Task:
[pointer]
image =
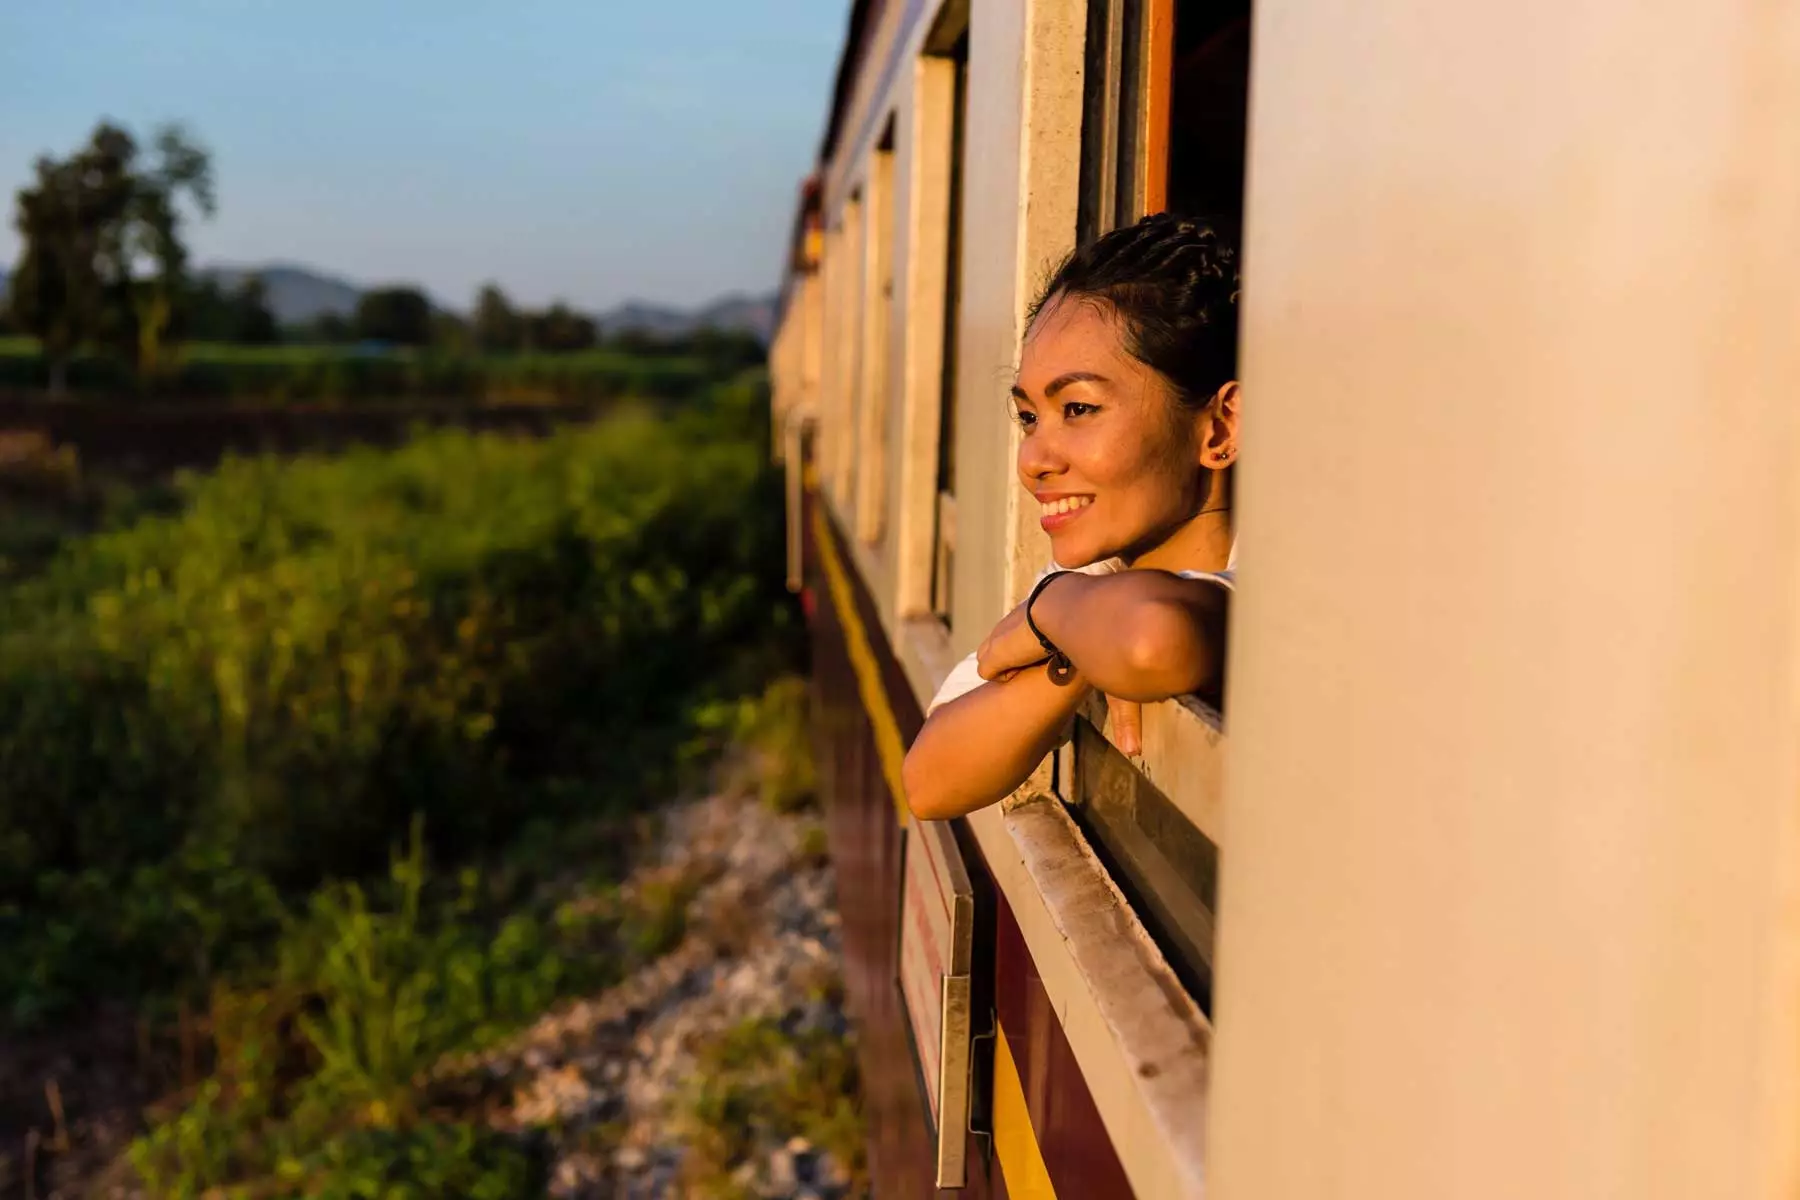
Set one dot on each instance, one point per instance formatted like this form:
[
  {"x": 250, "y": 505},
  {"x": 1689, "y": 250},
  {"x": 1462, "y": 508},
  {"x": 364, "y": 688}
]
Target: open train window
[
  {"x": 1164, "y": 112},
  {"x": 877, "y": 304},
  {"x": 1209, "y": 98},
  {"x": 1164, "y": 117}
]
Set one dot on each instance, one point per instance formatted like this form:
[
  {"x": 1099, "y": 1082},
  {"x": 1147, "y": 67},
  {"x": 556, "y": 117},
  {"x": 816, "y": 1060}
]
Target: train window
[
  {"x": 1163, "y": 111},
  {"x": 1163, "y": 127},
  {"x": 1124, "y": 114},
  {"x": 878, "y": 311},
  {"x": 1209, "y": 111},
  {"x": 945, "y": 69}
]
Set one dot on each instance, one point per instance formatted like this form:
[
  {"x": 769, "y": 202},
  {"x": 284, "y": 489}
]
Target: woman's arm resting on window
[
  {"x": 1138, "y": 635},
  {"x": 976, "y": 749}
]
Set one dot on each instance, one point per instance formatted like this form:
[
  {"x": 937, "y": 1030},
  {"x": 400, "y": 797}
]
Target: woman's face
[{"x": 1115, "y": 462}]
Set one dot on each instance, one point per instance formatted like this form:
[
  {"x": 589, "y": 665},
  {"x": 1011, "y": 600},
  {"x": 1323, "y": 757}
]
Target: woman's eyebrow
[{"x": 1060, "y": 382}]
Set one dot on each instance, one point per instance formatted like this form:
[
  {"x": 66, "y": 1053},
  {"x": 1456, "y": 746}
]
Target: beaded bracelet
[{"x": 1059, "y": 668}]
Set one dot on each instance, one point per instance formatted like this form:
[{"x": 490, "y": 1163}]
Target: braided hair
[{"x": 1173, "y": 284}]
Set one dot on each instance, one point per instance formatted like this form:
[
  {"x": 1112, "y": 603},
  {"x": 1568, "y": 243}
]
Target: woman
[{"x": 1127, "y": 393}]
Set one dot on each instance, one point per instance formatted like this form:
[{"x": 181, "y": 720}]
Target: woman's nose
[{"x": 1040, "y": 457}]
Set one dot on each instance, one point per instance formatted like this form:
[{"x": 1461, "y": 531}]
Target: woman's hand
[
  {"x": 1009, "y": 648},
  {"x": 1125, "y": 724}
]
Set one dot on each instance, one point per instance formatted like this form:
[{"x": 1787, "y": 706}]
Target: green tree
[
  {"x": 57, "y": 289},
  {"x": 333, "y": 328},
  {"x": 151, "y": 234},
  {"x": 208, "y": 312},
  {"x": 253, "y": 322},
  {"x": 102, "y": 258},
  {"x": 726, "y": 350},
  {"x": 496, "y": 324},
  {"x": 205, "y": 312},
  {"x": 449, "y": 333},
  {"x": 560, "y": 329},
  {"x": 401, "y": 315}
]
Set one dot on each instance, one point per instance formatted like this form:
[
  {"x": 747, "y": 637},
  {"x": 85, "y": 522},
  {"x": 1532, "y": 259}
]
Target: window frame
[{"x": 1153, "y": 822}]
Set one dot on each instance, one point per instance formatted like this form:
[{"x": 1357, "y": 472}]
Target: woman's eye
[
  {"x": 1076, "y": 408},
  {"x": 1026, "y": 420}
]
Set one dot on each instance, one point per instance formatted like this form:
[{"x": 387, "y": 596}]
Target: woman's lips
[{"x": 1058, "y": 511}]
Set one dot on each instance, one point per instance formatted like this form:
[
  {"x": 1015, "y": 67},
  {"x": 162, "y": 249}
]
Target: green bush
[
  {"x": 277, "y": 374},
  {"x": 318, "y": 1085},
  {"x": 221, "y": 718},
  {"x": 200, "y": 712},
  {"x": 755, "y": 1081}
]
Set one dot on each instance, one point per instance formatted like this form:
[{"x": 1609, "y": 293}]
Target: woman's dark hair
[{"x": 1173, "y": 283}]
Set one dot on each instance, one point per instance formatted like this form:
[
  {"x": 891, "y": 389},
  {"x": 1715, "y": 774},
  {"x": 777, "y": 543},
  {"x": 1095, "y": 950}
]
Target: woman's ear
[{"x": 1219, "y": 428}]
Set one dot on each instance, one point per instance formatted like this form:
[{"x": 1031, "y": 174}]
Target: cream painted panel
[
  {"x": 1509, "y": 904},
  {"x": 875, "y": 443},
  {"x": 1019, "y": 211},
  {"x": 987, "y": 324},
  {"x": 1049, "y": 194},
  {"x": 922, "y": 191},
  {"x": 830, "y": 338},
  {"x": 1020, "y": 198},
  {"x": 850, "y": 315},
  {"x": 812, "y": 344}
]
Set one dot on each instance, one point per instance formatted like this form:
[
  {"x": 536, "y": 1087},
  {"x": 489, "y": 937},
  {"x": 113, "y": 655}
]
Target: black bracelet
[{"x": 1060, "y": 669}]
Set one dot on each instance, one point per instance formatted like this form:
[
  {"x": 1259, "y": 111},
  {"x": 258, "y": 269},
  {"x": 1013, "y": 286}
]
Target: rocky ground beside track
[{"x": 723, "y": 1067}]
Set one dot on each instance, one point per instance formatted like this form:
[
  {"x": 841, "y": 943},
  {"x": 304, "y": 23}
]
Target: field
[
  {"x": 295, "y": 749},
  {"x": 349, "y": 375}
]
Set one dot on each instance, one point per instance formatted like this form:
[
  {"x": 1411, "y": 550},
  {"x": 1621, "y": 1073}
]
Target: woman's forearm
[
  {"x": 976, "y": 749},
  {"x": 1137, "y": 635}
]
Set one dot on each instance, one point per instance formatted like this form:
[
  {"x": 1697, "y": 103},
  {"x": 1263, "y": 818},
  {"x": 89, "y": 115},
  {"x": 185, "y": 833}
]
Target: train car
[{"x": 1484, "y": 881}]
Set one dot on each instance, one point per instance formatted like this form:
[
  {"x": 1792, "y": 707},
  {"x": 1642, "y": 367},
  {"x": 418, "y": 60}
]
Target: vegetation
[
  {"x": 239, "y": 729},
  {"x": 203, "y": 711},
  {"x": 398, "y": 315},
  {"x": 263, "y": 375},
  {"x": 89, "y": 223},
  {"x": 759, "y": 1076},
  {"x": 500, "y": 329},
  {"x": 103, "y": 288},
  {"x": 241, "y": 314}
]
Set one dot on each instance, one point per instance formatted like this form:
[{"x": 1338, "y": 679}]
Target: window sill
[
  {"x": 1141, "y": 1042},
  {"x": 925, "y": 656},
  {"x": 1184, "y": 757}
]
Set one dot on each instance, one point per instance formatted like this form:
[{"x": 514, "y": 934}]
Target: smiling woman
[{"x": 1128, "y": 398}]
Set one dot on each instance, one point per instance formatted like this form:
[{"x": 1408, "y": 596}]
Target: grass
[
  {"x": 298, "y": 373},
  {"x": 757, "y": 1082}
]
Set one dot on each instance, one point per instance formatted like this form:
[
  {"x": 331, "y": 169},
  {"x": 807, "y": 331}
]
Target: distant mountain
[
  {"x": 300, "y": 295},
  {"x": 734, "y": 313},
  {"x": 754, "y": 314},
  {"x": 297, "y": 295}
]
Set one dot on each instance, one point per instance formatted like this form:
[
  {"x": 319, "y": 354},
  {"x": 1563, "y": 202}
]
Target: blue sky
[{"x": 593, "y": 150}]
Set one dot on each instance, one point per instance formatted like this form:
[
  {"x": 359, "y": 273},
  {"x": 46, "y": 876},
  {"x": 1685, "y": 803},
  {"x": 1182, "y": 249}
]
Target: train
[{"x": 1484, "y": 881}]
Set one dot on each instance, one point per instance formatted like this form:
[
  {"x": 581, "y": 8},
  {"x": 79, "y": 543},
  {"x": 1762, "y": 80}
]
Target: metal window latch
[{"x": 992, "y": 1033}]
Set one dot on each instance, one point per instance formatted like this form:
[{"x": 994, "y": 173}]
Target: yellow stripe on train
[
  {"x": 1015, "y": 1141},
  {"x": 888, "y": 745}
]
